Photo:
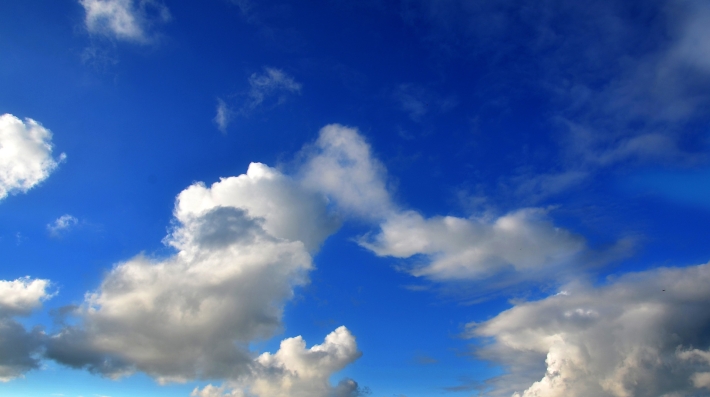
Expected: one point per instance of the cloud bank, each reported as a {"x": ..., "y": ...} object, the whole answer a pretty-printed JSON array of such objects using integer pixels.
[
  {"x": 643, "y": 334},
  {"x": 25, "y": 155}
]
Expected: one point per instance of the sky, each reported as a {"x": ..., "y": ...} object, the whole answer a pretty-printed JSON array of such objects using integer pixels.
[{"x": 406, "y": 198}]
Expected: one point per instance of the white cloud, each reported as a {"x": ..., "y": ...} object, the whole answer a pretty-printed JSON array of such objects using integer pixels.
[
  {"x": 25, "y": 154},
  {"x": 643, "y": 334},
  {"x": 18, "y": 347},
  {"x": 62, "y": 224},
  {"x": 123, "y": 19},
  {"x": 243, "y": 245},
  {"x": 273, "y": 82},
  {"x": 294, "y": 371},
  {"x": 21, "y": 296},
  {"x": 341, "y": 165},
  {"x": 525, "y": 241},
  {"x": 223, "y": 117}
]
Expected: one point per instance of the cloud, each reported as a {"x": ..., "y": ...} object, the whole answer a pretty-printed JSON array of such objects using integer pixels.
[
  {"x": 21, "y": 296},
  {"x": 127, "y": 20},
  {"x": 417, "y": 101},
  {"x": 273, "y": 82},
  {"x": 25, "y": 155},
  {"x": 272, "y": 88},
  {"x": 223, "y": 117},
  {"x": 294, "y": 371},
  {"x": 18, "y": 347},
  {"x": 62, "y": 224},
  {"x": 242, "y": 247},
  {"x": 340, "y": 164},
  {"x": 642, "y": 334},
  {"x": 525, "y": 241}
]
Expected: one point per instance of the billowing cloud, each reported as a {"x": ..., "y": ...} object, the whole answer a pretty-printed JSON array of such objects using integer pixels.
[
  {"x": 124, "y": 19},
  {"x": 62, "y": 224},
  {"x": 643, "y": 334},
  {"x": 525, "y": 241},
  {"x": 294, "y": 371},
  {"x": 341, "y": 165},
  {"x": 243, "y": 245},
  {"x": 25, "y": 154},
  {"x": 18, "y": 347}
]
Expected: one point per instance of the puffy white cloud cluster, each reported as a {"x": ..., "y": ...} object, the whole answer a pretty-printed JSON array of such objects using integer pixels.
[
  {"x": 643, "y": 334},
  {"x": 25, "y": 154},
  {"x": 62, "y": 224},
  {"x": 18, "y": 347},
  {"x": 123, "y": 19},
  {"x": 294, "y": 371},
  {"x": 243, "y": 244}
]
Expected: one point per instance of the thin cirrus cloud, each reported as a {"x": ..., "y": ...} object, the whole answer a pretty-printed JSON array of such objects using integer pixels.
[
  {"x": 126, "y": 20},
  {"x": 20, "y": 348},
  {"x": 25, "y": 155},
  {"x": 271, "y": 88},
  {"x": 643, "y": 334},
  {"x": 243, "y": 245}
]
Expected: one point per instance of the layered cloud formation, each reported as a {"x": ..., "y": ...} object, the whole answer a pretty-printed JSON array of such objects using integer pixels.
[
  {"x": 25, "y": 155},
  {"x": 19, "y": 349},
  {"x": 643, "y": 334}
]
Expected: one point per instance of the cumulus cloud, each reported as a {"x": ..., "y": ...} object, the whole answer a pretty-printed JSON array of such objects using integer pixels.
[
  {"x": 18, "y": 347},
  {"x": 25, "y": 154},
  {"x": 124, "y": 19},
  {"x": 294, "y": 371},
  {"x": 341, "y": 165},
  {"x": 525, "y": 241},
  {"x": 242, "y": 246},
  {"x": 62, "y": 224},
  {"x": 642, "y": 334}
]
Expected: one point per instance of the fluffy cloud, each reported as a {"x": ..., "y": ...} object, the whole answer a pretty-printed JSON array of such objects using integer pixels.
[
  {"x": 25, "y": 154},
  {"x": 457, "y": 248},
  {"x": 123, "y": 19},
  {"x": 18, "y": 347},
  {"x": 243, "y": 245},
  {"x": 62, "y": 224},
  {"x": 341, "y": 165},
  {"x": 643, "y": 334},
  {"x": 294, "y": 371}
]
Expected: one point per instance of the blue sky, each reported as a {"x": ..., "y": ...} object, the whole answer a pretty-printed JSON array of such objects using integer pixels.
[{"x": 403, "y": 198}]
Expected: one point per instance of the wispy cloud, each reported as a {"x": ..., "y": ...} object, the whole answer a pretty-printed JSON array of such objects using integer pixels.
[
  {"x": 128, "y": 20},
  {"x": 270, "y": 88}
]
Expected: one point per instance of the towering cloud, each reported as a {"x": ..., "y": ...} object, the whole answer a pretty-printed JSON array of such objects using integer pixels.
[
  {"x": 25, "y": 154},
  {"x": 243, "y": 245},
  {"x": 643, "y": 334}
]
